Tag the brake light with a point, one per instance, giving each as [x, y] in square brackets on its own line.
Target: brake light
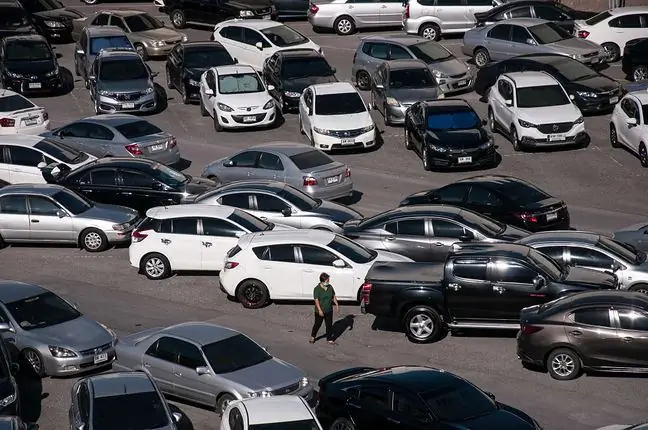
[530, 329]
[231, 265]
[583, 34]
[314, 9]
[407, 11]
[348, 172]
[309, 182]
[7, 122]
[134, 149]
[366, 292]
[45, 115]
[138, 236]
[173, 142]
[527, 217]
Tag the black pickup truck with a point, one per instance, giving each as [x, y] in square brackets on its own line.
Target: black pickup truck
[480, 286]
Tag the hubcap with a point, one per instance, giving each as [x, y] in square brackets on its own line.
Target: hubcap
[421, 326]
[643, 156]
[480, 59]
[154, 267]
[563, 365]
[429, 33]
[610, 50]
[225, 404]
[341, 425]
[93, 240]
[641, 290]
[344, 26]
[640, 73]
[363, 80]
[252, 294]
[33, 360]
[177, 19]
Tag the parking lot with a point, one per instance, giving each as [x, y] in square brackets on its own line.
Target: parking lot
[604, 188]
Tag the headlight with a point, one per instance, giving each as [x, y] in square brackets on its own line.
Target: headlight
[263, 393]
[54, 24]
[576, 56]
[488, 144]
[269, 105]
[12, 74]
[438, 148]
[53, 72]
[59, 352]
[109, 330]
[224, 107]
[526, 124]
[149, 90]
[194, 83]
[438, 74]
[304, 382]
[392, 101]
[580, 120]
[7, 400]
[292, 94]
[106, 93]
[368, 128]
[246, 13]
[157, 43]
[184, 38]
[586, 94]
[322, 131]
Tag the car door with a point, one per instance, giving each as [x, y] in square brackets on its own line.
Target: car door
[280, 270]
[48, 222]
[468, 291]
[98, 185]
[159, 360]
[368, 406]
[627, 27]
[118, 21]
[379, 83]
[14, 218]
[417, 127]
[376, 53]
[452, 14]
[73, 135]
[409, 237]
[483, 201]
[591, 331]
[24, 165]
[521, 43]
[254, 56]
[218, 237]
[181, 244]
[83, 406]
[306, 110]
[189, 384]
[5, 164]
[270, 208]
[503, 111]
[142, 191]
[315, 260]
[208, 82]
[391, 12]
[513, 288]
[632, 337]
[444, 233]
[366, 13]
[630, 134]
[497, 42]
[98, 141]
[81, 53]
[242, 166]
[232, 38]
[589, 258]
[269, 166]
[408, 411]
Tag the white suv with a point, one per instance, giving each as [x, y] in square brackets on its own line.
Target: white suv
[533, 110]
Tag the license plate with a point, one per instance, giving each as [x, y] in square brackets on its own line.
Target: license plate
[553, 216]
[332, 180]
[464, 159]
[157, 147]
[614, 100]
[249, 119]
[556, 137]
[100, 358]
[128, 106]
[266, 17]
[347, 141]
[31, 121]
[462, 83]
[35, 85]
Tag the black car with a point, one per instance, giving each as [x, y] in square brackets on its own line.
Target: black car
[292, 71]
[505, 198]
[557, 12]
[188, 61]
[29, 65]
[411, 397]
[9, 368]
[214, 11]
[14, 19]
[291, 8]
[136, 183]
[51, 18]
[448, 133]
[592, 91]
[635, 59]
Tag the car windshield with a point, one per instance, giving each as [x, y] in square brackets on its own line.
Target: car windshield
[282, 35]
[74, 203]
[137, 411]
[598, 18]
[310, 159]
[135, 129]
[13, 17]
[549, 33]
[107, 42]
[122, 70]
[61, 152]
[234, 353]
[142, 22]
[213, 57]
[352, 250]
[301, 200]
[487, 225]
[339, 104]
[249, 222]
[430, 52]
[573, 70]
[287, 425]
[464, 119]
[295, 68]
[541, 96]
[14, 102]
[547, 264]
[44, 310]
[411, 78]
[169, 176]
[36, 6]
[24, 50]
[242, 83]
[459, 402]
[624, 251]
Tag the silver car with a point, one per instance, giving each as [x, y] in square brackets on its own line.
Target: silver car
[520, 36]
[451, 73]
[399, 84]
[280, 203]
[433, 18]
[118, 135]
[346, 16]
[50, 333]
[120, 400]
[48, 213]
[210, 365]
[296, 164]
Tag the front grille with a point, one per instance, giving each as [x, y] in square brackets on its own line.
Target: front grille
[286, 390]
[460, 75]
[560, 127]
[127, 97]
[264, 11]
[240, 118]
[248, 108]
[347, 133]
[97, 350]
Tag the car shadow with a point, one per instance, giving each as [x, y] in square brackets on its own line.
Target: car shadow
[181, 165]
[30, 389]
[67, 85]
[354, 198]
[185, 422]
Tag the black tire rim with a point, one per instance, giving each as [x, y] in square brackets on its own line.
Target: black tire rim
[643, 156]
[611, 50]
[363, 79]
[140, 50]
[613, 136]
[640, 73]
[252, 294]
[34, 361]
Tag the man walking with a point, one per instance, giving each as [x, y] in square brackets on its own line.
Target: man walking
[324, 296]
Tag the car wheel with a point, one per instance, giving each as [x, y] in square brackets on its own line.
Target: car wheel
[139, 48]
[612, 50]
[639, 73]
[87, 84]
[178, 18]
[481, 58]
[423, 325]
[643, 155]
[344, 25]
[515, 140]
[639, 288]
[169, 82]
[342, 424]
[96, 107]
[93, 240]
[203, 111]
[563, 364]
[34, 360]
[252, 294]
[491, 121]
[223, 402]
[614, 138]
[91, 2]
[301, 125]
[430, 31]
[408, 140]
[155, 266]
[217, 125]
[185, 95]
[363, 80]
[2, 243]
[425, 157]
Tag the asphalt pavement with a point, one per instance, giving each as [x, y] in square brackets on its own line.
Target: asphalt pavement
[604, 188]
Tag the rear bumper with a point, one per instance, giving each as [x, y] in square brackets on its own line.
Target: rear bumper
[580, 139]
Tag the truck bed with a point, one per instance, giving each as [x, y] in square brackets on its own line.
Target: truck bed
[422, 273]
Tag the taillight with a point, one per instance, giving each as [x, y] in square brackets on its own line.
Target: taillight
[134, 149]
[530, 329]
[407, 11]
[527, 217]
[138, 236]
[7, 122]
[366, 292]
[348, 172]
[314, 9]
[583, 34]
[173, 142]
[45, 116]
[231, 264]
[309, 182]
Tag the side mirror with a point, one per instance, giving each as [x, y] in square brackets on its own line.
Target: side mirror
[41, 165]
[228, 163]
[14, 368]
[616, 266]
[632, 122]
[572, 97]
[177, 417]
[202, 370]
[80, 52]
[467, 236]
[155, 74]
[271, 87]
[209, 92]
[491, 395]
[508, 102]
[340, 264]
[259, 46]
[58, 55]
[60, 214]
[333, 70]
[484, 122]
[235, 60]
[380, 87]
[286, 212]
[6, 327]
[158, 186]
[530, 41]
[539, 282]
[92, 78]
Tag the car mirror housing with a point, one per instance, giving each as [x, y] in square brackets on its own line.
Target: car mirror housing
[339, 264]
[202, 370]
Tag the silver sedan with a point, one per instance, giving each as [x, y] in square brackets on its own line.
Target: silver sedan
[47, 213]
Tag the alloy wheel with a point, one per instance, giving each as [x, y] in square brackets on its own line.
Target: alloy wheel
[426, 161]
[253, 293]
[177, 19]
[344, 26]
[563, 365]
[480, 59]
[154, 267]
[363, 80]
[341, 425]
[421, 326]
[640, 73]
[642, 290]
[93, 240]
[429, 33]
[34, 360]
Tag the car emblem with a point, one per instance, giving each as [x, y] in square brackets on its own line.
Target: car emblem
[97, 350]
[249, 109]
[555, 127]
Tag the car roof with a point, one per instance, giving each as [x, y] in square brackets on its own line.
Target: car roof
[202, 333]
[397, 38]
[334, 88]
[120, 383]
[524, 22]
[123, 12]
[198, 210]
[562, 236]
[491, 179]
[491, 249]
[601, 297]
[443, 104]
[122, 162]
[11, 291]
[531, 79]
[112, 119]
[258, 184]
[287, 148]
[118, 53]
[104, 30]
[200, 45]
[419, 379]
[25, 37]
[642, 96]
[266, 410]
[310, 236]
[406, 64]
[299, 53]
[234, 69]
[257, 24]
[19, 139]
[627, 9]
[40, 189]
[425, 209]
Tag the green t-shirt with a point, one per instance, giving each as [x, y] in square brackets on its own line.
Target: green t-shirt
[325, 297]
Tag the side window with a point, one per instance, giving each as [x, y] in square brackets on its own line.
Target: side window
[136, 179]
[637, 111]
[443, 228]
[232, 32]
[78, 129]
[508, 90]
[376, 398]
[270, 162]
[507, 271]
[633, 320]
[626, 21]
[398, 53]
[245, 159]
[166, 226]
[283, 253]
[449, 3]
[409, 227]
[237, 200]
[482, 197]
[480, 3]
[3, 159]
[555, 252]
[185, 225]
[470, 269]
[252, 37]
[189, 355]
[21, 156]
[500, 32]
[519, 34]
[452, 193]
[235, 419]
[599, 317]
[103, 177]
[378, 50]
[519, 12]
[549, 13]
[316, 255]
[165, 348]
[13, 205]
[101, 19]
[99, 132]
[589, 258]
[42, 206]
[117, 21]
[219, 227]
[268, 203]
[407, 405]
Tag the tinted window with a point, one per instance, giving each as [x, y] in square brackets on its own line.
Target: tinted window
[286, 425]
[208, 58]
[269, 162]
[411, 78]
[11, 17]
[296, 68]
[520, 12]
[449, 3]
[135, 129]
[430, 52]
[136, 179]
[166, 349]
[572, 70]
[233, 33]
[352, 250]
[398, 53]
[239, 200]
[249, 222]
[316, 255]
[185, 226]
[458, 402]
[219, 227]
[470, 269]
[14, 102]
[44, 310]
[555, 252]
[189, 355]
[25, 157]
[245, 159]
[234, 353]
[142, 410]
[512, 272]
[285, 253]
[549, 33]
[142, 22]
[308, 160]
[626, 21]
[444, 228]
[268, 203]
[408, 406]
[462, 119]
[99, 43]
[299, 199]
[412, 227]
[282, 35]
[339, 104]
[23, 50]
[122, 70]
[42, 206]
[500, 32]
[103, 177]
[521, 193]
[590, 258]
[598, 18]
[375, 397]
[482, 196]
[61, 152]
[452, 193]
[541, 96]
[15, 205]
[252, 37]
[549, 13]
[633, 320]
[102, 19]
[376, 50]
[99, 132]
[596, 317]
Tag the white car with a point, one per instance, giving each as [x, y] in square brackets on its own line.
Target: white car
[534, 111]
[280, 412]
[236, 97]
[252, 41]
[334, 116]
[23, 156]
[287, 265]
[613, 28]
[629, 125]
[189, 237]
[19, 115]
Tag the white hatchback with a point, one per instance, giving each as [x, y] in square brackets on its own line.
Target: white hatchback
[189, 237]
[278, 412]
[287, 265]
[19, 115]
[629, 125]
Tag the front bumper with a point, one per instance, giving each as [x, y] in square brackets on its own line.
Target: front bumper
[484, 157]
[107, 104]
[532, 137]
[75, 365]
[290, 103]
[159, 51]
[57, 33]
[193, 91]
[454, 85]
[331, 143]
[395, 115]
[34, 84]
[597, 104]
[257, 118]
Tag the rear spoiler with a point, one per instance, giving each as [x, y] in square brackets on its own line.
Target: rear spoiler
[336, 376]
[54, 172]
[481, 18]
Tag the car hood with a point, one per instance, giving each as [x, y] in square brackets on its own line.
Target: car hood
[30, 67]
[283, 227]
[598, 83]
[550, 114]
[63, 14]
[337, 212]
[198, 186]
[591, 278]
[269, 375]
[79, 334]
[512, 234]
[343, 122]
[240, 101]
[502, 418]
[299, 85]
[386, 256]
[125, 86]
[450, 67]
[413, 95]
[574, 45]
[112, 213]
[163, 33]
[634, 227]
[458, 139]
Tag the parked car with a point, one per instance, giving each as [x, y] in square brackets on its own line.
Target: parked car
[507, 199]
[182, 12]
[53, 214]
[90, 41]
[593, 91]
[29, 65]
[635, 59]
[94, 400]
[451, 73]
[595, 331]
[118, 135]
[52, 18]
[218, 365]
[504, 40]
[364, 398]
[16, 21]
[188, 61]
[594, 251]
[635, 235]
[427, 233]
[281, 203]
[288, 9]
[10, 404]
[629, 125]
[290, 412]
[347, 16]
[502, 277]
[20, 115]
[296, 164]
[45, 329]
[433, 18]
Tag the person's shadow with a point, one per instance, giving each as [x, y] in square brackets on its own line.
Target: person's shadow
[341, 325]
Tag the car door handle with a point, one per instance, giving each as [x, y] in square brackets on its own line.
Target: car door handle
[455, 287]
[147, 365]
[438, 244]
[264, 218]
[383, 6]
[207, 244]
[627, 339]
[576, 332]
[392, 420]
[127, 194]
[308, 271]
[178, 374]
[498, 289]
[35, 220]
[390, 238]
[165, 241]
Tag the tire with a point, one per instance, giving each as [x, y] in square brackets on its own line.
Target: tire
[155, 266]
[76, 69]
[481, 57]
[408, 141]
[342, 424]
[430, 31]
[223, 401]
[90, 2]
[141, 51]
[492, 124]
[423, 324]
[169, 82]
[87, 84]
[363, 80]
[613, 51]
[614, 138]
[33, 359]
[643, 155]
[563, 364]
[93, 240]
[252, 294]
[178, 18]
[639, 288]
[96, 107]
[185, 95]
[301, 125]
[517, 147]
[217, 125]
[203, 111]
[425, 158]
[639, 73]
[344, 25]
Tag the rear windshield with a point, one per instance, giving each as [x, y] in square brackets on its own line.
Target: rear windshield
[287, 425]
[520, 192]
[14, 103]
[310, 159]
[598, 18]
[135, 129]
[60, 152]
[99, 43]
[431, 52]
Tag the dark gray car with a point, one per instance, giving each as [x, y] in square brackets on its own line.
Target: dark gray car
[91, 41]
[635, 235]
[427, 233]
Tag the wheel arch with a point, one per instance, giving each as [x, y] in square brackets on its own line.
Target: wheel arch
[430, 21]
[562, 345]
[240, 284]
[148, 254]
